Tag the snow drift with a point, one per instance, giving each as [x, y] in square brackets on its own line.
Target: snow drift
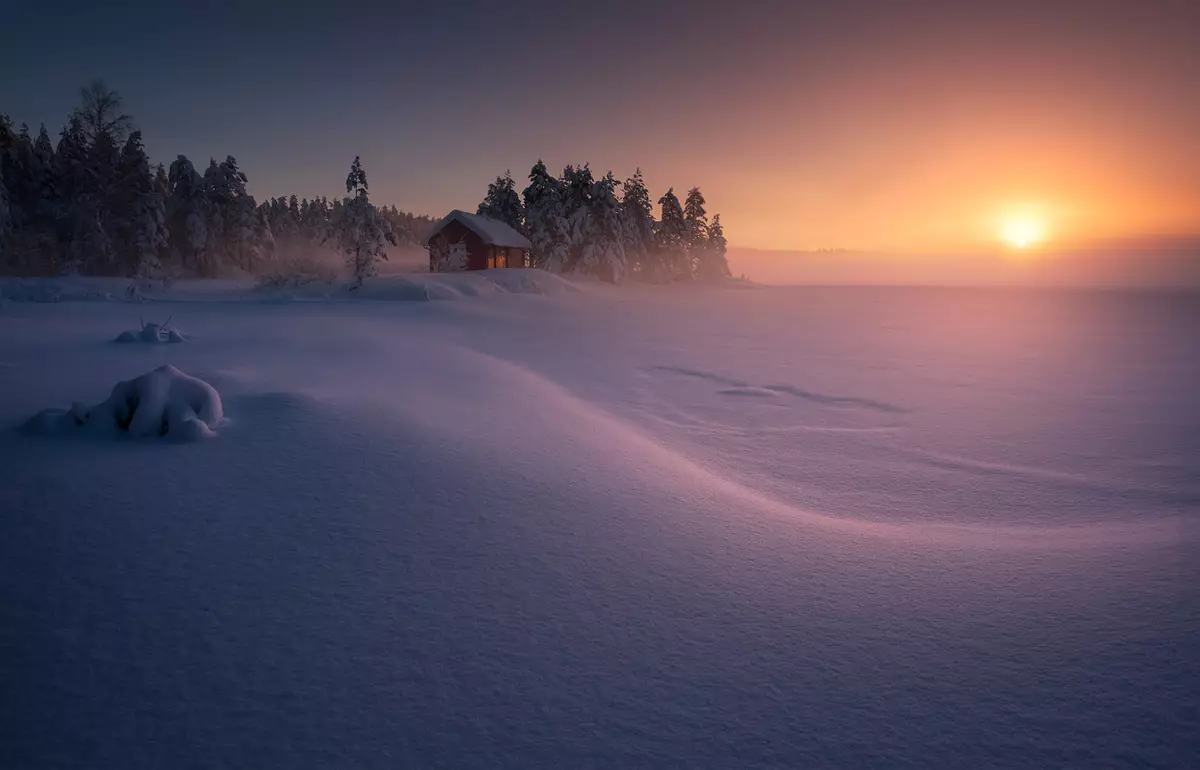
[164, 402]
[557, 532]
[399, 287]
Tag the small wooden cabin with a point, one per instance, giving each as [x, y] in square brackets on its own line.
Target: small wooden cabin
[462, 241]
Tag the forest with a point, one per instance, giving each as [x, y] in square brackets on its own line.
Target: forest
[93, 203]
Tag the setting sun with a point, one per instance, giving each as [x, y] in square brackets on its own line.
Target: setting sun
[1023, 233]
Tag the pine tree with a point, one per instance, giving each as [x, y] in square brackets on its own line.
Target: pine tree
[5, 217]
[235, 224]
[6, 134]
[215, 211]
[577, 210]
[360, 232]
[672, 236]
[162, 183]
[142, 228]
[695, 231]
[604, 237]
[43, 153]
[86, 245]
[6, 250]
[187, 215]
[503, 203]
[292, 228]
[638, 215]
[70, 159]
[104, 197]
[31, 243]
[21, 172]
[717, 266]
[545, 220]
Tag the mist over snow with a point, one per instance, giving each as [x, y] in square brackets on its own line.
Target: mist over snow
[1153, 263]
[511, 520]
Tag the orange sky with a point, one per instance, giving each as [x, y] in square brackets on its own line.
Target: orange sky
[935, 150]
[901, 125]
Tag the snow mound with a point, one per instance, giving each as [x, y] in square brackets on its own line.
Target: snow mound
[524, 280]
[164, 402]
[153, 333]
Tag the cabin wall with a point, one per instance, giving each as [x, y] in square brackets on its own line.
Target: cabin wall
[480, 255]
[506, 256]
[477, 250]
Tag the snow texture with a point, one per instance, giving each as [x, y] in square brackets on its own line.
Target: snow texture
[633, 527]
[165, 402]
[492, 231]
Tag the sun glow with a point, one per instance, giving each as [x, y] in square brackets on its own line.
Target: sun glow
[1023, 233]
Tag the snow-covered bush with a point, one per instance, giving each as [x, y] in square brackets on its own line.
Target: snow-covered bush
[164, 402]
[297, 272]
[152, 333]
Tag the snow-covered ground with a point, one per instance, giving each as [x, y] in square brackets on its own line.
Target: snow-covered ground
[532, 524]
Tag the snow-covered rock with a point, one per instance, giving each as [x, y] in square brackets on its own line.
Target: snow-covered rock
[164, 402]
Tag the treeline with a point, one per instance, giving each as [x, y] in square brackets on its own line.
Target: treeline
[577, 223]
[93, 204]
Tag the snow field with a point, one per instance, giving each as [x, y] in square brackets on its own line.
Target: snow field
[600, 528]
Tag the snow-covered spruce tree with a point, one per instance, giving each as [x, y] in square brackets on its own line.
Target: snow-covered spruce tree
[29, 168]
[21, 171]
[577, 210]
[261, 238]
[672, 236]
[216, 197]
[246, 240]
[47, 195]
[361, 232]
[84, 243]
[7, 138]
[103, 158]
[604, 235]
[637, 212]
[315, 221]
[235, 234]
[104, 128]
[716, 266]
[305, 227]
[141, 222]
[503, 203]
[17, 169]
[695, 220]
[187, 215]
[285, 224]
[545, 220]
[5, 220]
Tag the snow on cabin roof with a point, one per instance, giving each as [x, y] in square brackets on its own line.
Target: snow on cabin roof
[492, 231]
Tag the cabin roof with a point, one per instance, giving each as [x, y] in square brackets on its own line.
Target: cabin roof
[493, 232]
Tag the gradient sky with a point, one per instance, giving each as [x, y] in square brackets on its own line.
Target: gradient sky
[877, 125]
